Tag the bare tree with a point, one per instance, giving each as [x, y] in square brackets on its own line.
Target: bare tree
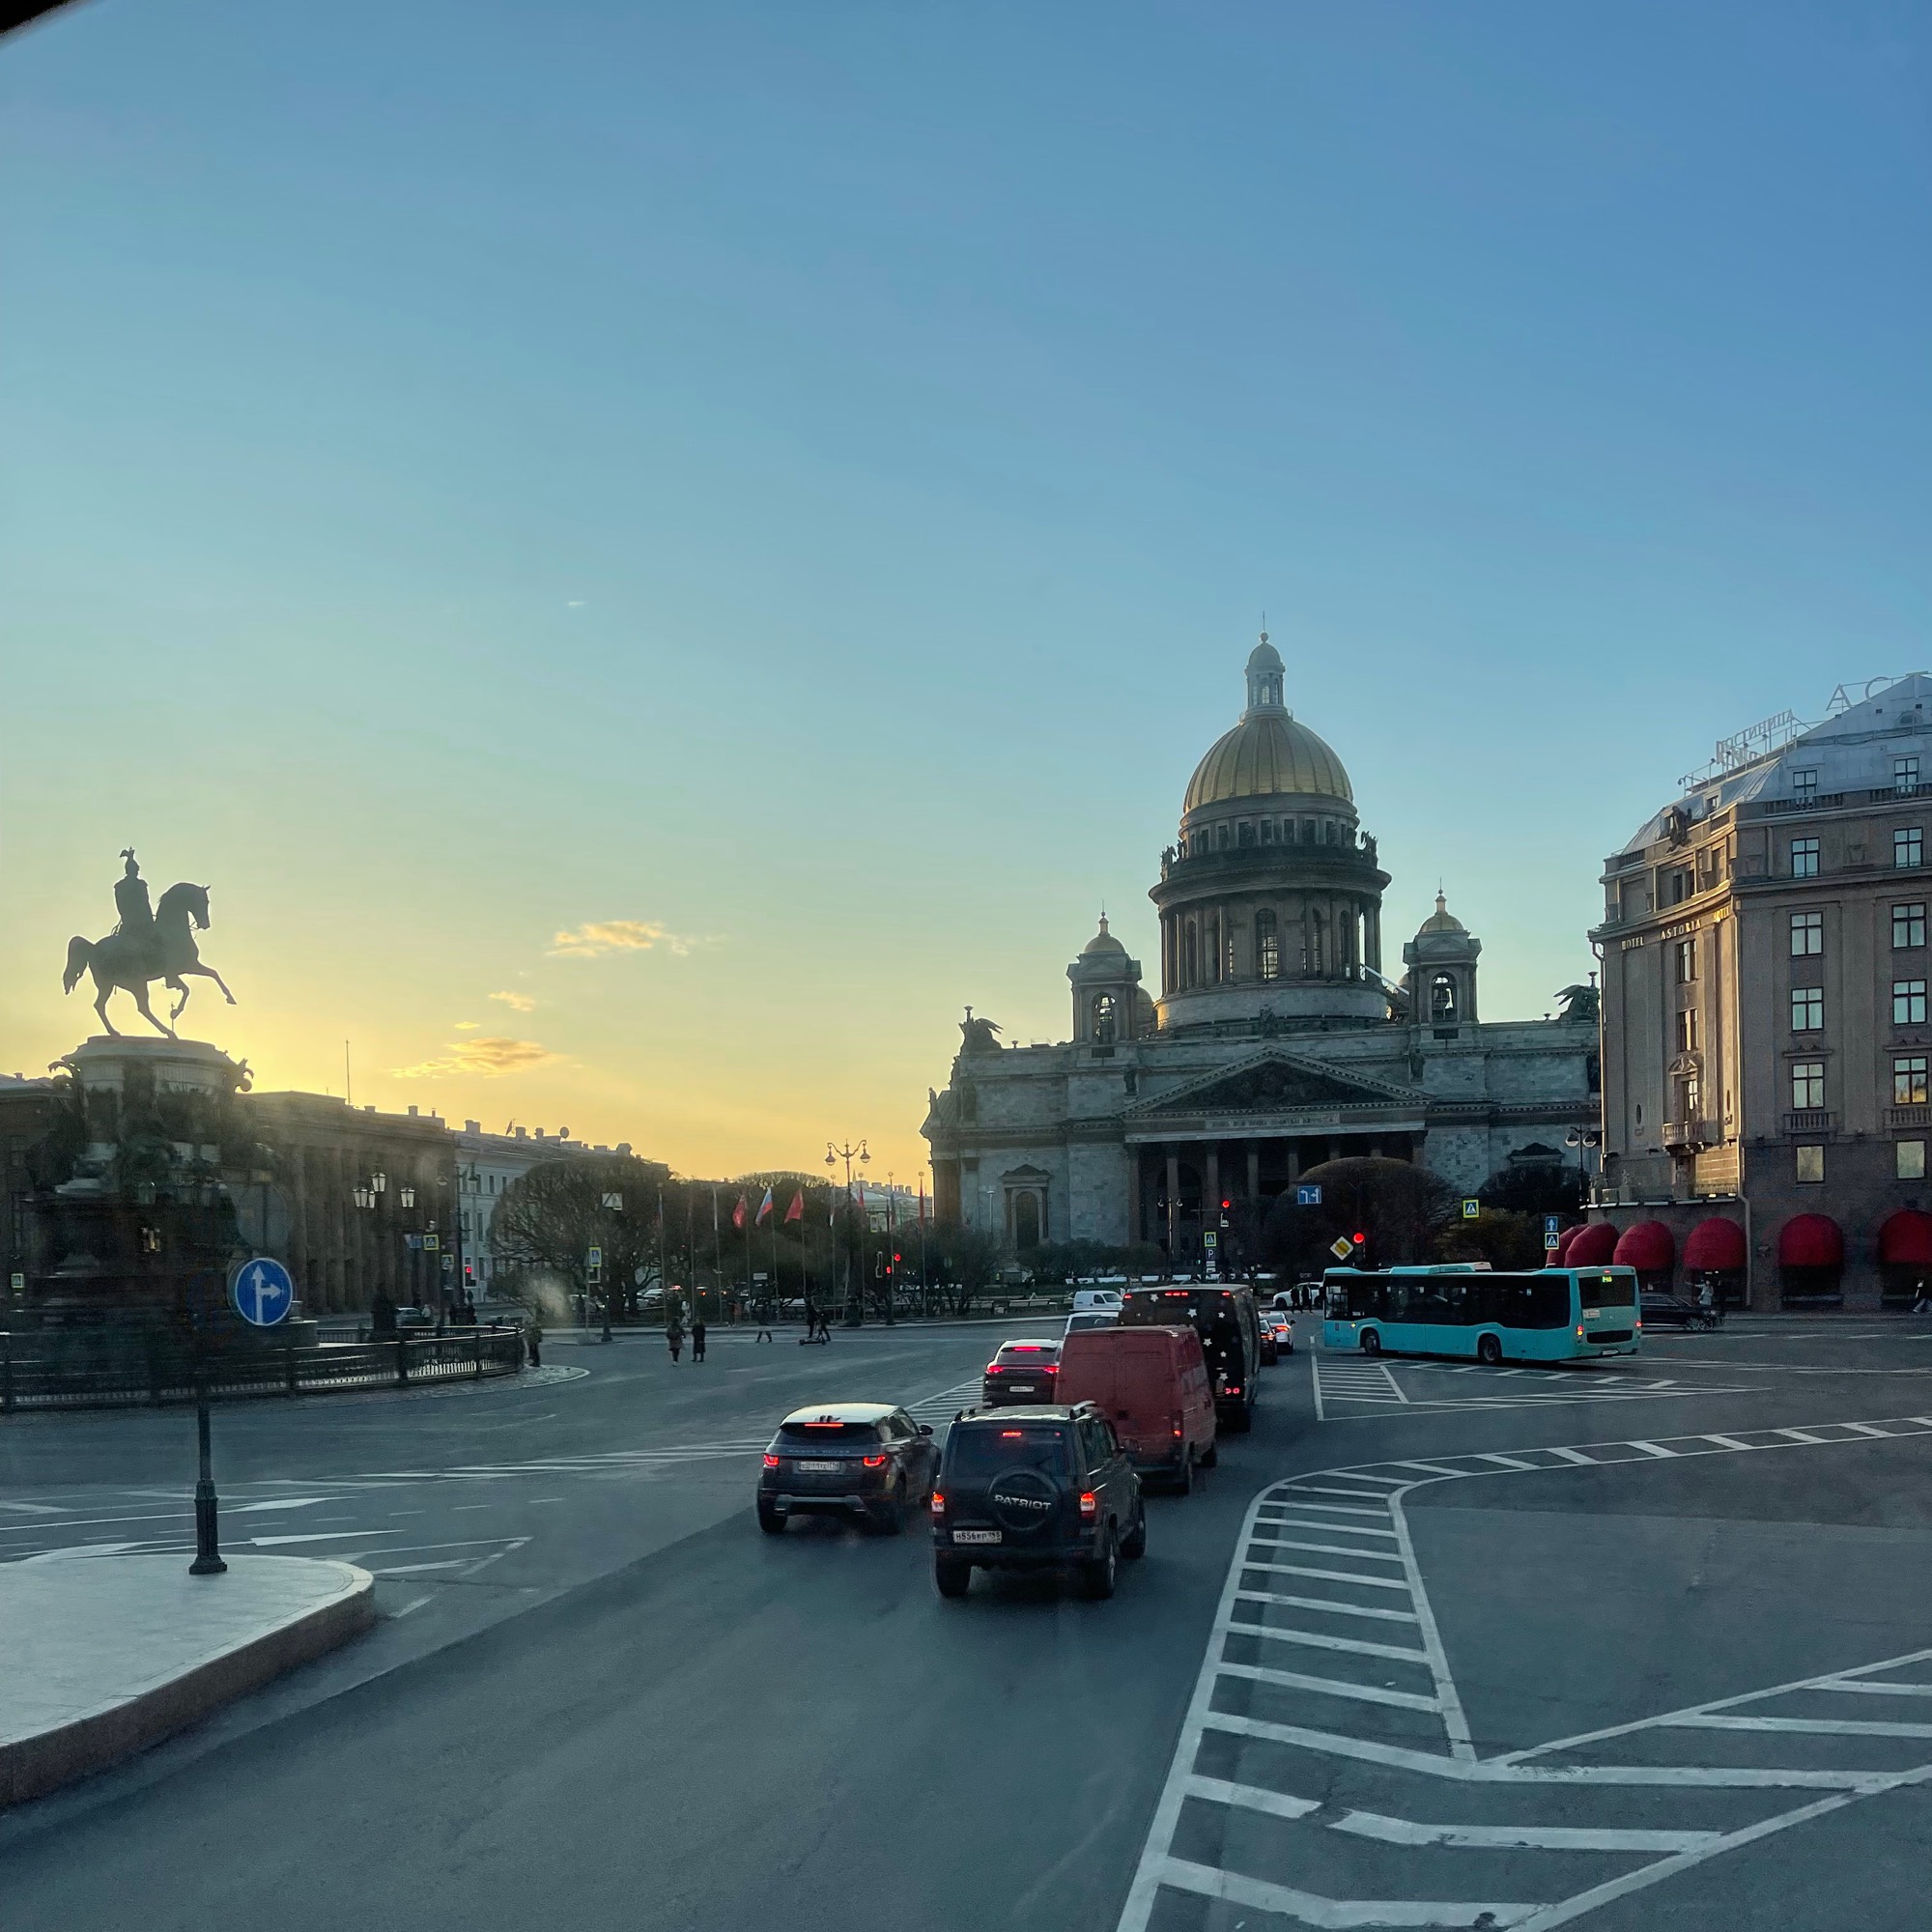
[548, 1221]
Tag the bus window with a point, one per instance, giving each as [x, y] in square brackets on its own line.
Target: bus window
[1607, 1291]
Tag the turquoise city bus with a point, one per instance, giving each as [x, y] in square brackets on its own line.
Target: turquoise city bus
[1553, 1314]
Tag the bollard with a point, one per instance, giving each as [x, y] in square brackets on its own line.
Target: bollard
[402, 1361]
[289, 1367]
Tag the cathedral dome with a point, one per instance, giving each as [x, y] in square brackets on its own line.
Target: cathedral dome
[1441, 920]
[1102, 942]
[1268, 754]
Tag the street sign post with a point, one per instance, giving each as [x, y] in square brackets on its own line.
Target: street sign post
[1341, 1249]
[261, 1290]
[1308, 1195]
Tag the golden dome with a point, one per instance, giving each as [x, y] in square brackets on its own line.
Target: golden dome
[1441, 920]
[1268, 754]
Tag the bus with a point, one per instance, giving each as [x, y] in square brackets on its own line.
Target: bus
[1553, 1314]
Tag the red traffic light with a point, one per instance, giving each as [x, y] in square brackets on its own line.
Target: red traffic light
[1225, 1206]
[1359, 1239]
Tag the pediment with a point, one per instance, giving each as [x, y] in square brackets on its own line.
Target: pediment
[1274, 1084]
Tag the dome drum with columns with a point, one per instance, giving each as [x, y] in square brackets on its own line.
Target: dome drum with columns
[1276, 1041]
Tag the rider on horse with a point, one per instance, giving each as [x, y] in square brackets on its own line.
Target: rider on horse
[137, 915]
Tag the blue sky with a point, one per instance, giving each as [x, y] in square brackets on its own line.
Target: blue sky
[796, 487]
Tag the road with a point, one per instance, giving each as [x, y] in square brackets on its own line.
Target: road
[1630, 1645]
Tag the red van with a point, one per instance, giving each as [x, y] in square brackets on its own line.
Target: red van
[1153, 1385]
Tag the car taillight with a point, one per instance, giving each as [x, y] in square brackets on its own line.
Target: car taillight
[1234, 1388]
[875, 1461]
[1053, 1368]
[771, 1460]
[1089, 1506]
[1579, 1332]
[994, 1369]
[1176, 1429]
[938, 1503]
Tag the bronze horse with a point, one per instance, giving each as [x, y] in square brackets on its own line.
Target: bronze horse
[131, 959]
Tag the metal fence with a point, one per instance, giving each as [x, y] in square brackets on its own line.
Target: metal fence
[126, 1372]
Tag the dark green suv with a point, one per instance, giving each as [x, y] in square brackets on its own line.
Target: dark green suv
[1032, 1487]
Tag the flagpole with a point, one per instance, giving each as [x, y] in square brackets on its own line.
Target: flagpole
[717, 1244]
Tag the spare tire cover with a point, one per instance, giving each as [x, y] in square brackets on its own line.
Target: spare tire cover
[1022, 1500]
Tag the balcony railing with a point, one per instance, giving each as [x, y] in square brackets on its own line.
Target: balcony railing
[1809, 1121]
[1908, 1117]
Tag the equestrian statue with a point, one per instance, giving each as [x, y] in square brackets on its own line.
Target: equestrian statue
[150, 943]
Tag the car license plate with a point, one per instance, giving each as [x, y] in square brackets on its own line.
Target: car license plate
[976, 1536]
[1593, 1315]
[1023, 1389]
[818, 1469]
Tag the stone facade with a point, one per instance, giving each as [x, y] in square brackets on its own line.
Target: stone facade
[1276, 1043]
[1766, 1038]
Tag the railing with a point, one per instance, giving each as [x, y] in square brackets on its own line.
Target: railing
[83, 1369]
[1908, 1117]
[1809, 1121]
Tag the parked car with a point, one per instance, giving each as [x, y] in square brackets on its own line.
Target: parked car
[1021, 1371]
[1151, 1384]
[1048, 1487]
[1230, 1329]
[1673, 1311]
[868, 1462]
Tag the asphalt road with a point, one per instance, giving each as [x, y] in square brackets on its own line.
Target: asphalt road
[599, 1695]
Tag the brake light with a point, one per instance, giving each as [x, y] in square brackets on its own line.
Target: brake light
[1176, 1429]
[1089, 1506]
[1053, 1368]
[771, 1460]
[994, 1369]
[824, 1425]
[1579, 1332]
[1234, 1388]
[938, 1503]
[875, 1461]
[1013, 1435]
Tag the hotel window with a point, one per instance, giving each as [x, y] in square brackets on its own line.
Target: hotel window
[1808, 933]
[1908, 1080]
[1908, 846]
[1267, 946]
[1807, 1008]
[1912, 1160]
[1810, 1165]
[1908, 924]
[1686, 961]
[1805, 784]
[1807, 1085]
[1687, 1031]
[1804, 858]
[1908, 1002]
[1905, 775]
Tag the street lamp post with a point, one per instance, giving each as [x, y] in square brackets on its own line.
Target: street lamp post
[855, 1304]
[206, 1509]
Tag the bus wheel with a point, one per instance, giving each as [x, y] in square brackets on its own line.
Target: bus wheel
[1488, 1352]
[1372, 1342]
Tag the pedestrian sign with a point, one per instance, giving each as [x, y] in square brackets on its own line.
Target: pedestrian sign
[1211, 1239]
[1552, 1243]
[431, 1242]
[1340, 1249]
[1308, 1195]
[263, 1291]
[1471, 1209]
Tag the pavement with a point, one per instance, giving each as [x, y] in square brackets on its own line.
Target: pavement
[108, 1653]
[1637, 1644]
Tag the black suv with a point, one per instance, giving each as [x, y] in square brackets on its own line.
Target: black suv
[865, 1460]
[1044, 1486]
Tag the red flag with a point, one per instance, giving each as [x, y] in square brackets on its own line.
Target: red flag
[796, 1211]
[739, 1212]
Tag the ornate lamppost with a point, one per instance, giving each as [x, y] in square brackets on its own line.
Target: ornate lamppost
[855, 1304]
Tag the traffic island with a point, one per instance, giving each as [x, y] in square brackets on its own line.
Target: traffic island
[107, 1655]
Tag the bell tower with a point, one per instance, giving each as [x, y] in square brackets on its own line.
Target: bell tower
[1109, 1006]
[1441, 962]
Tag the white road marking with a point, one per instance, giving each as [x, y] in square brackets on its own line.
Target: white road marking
[1211, 1881]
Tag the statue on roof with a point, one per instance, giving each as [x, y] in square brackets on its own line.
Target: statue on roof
[1578, 1004]
[978, 1034]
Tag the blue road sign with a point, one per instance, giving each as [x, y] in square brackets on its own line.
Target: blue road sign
[263, 1291]
[1549, 1224]
[1308, 1197]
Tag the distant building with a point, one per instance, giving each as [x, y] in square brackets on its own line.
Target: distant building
[1277, 1042]
[1767, 1039]
[27, 1110]
[486, 1164]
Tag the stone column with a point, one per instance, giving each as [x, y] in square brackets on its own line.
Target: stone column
[1172, 1198]
[1210, 1185]
[1254, 1169]
[1134, 1228]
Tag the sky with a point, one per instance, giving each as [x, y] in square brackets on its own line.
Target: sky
[650, 554]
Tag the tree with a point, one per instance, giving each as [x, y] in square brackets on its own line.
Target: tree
[961, 1259]
[547, 1220]
[1535, 1187]
[1400, 1206]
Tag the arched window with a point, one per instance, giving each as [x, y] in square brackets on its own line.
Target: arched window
[1317, 948]
[1221, 837]
[1190, 961]
[1245, 834]
[1212, 949]
[1026, 1221]
[1106, 1024]
[1267, 831]
[1442, 999]
[1267, 946]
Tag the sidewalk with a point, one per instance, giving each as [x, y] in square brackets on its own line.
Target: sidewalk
[107, 1655]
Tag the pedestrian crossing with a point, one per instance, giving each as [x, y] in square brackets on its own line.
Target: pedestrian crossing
[1349, 1384]
[1354, 1378]
[1326, 1773]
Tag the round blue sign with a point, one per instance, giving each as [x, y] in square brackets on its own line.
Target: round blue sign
[263, 1291]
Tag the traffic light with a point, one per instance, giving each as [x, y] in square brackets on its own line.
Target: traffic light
[1364, 1251]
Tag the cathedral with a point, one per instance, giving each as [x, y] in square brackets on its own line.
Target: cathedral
[1277, 1040]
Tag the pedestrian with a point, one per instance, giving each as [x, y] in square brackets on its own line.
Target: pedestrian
[764, 1333]
[533, 1340]
[1923, 1306]
[697, 1338]
[824, 1326]
[674, 1336]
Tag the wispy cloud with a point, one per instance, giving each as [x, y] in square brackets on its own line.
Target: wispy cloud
[518, 1003]
[598, 936]
[489, 1056]
[469, 1026]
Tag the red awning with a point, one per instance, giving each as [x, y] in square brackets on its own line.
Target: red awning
[1716, 1244]
[1907, 1236]
[1592, 1247]
[1810, 1241]
[1649, 1247]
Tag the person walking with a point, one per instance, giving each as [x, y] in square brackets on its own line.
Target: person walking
[824, 1326]
[533, 1340]
[697, 1338]
[811, 1322]
[674, 1334]
[764, 1333]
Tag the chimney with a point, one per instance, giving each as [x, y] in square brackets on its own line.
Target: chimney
[473, 1127]
[412, 1109]
[522, 1133]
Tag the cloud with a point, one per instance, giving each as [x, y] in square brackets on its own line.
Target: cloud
[518, 1003]
[489, 1057]
[468, 1026]
[598, 936]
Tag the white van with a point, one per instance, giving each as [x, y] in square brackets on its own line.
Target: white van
[1108, 1298]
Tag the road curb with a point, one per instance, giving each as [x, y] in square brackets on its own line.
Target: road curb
[34, 1765]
